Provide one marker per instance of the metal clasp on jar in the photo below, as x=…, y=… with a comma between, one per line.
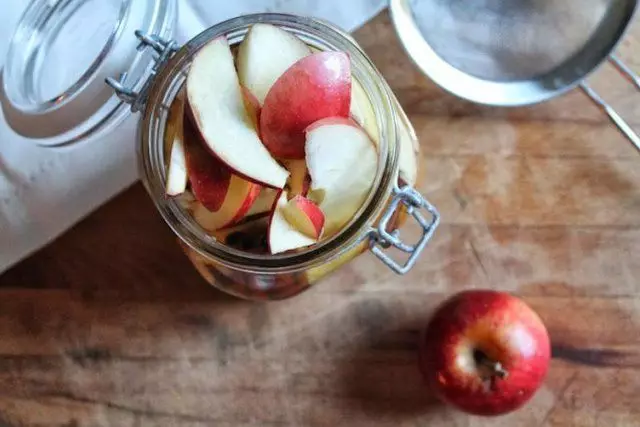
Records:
x=164, y=50
x=382, y=239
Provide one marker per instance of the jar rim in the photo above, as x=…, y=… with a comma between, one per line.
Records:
x=151, y=141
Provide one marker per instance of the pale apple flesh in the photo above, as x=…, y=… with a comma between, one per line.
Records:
x=299, y=180
x=282, y=235
x=174, y=121
x=218, y=109
x=264, y=55
x=305, y=216
x=485, y=352
x=362, y=111
x=316, y=87
x=342, y=162
x=177, y=171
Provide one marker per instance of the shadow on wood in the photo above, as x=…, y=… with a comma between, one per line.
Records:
x=124, y=250
x=382, y=377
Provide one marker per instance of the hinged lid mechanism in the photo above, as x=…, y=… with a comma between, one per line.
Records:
x=53, y=82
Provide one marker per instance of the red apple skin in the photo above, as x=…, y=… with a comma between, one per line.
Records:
x=313, y=215
x=313, y=88
x=254, y=192
x=208, y=176
x=505, y=329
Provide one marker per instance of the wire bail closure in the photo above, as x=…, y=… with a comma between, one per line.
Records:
x=164, y=50
x=415, y=204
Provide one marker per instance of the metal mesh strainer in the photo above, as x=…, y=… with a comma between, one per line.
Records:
x=514, y=52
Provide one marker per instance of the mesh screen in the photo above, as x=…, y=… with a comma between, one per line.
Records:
x=508, y=39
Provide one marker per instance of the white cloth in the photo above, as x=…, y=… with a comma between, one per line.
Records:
x=43, y=192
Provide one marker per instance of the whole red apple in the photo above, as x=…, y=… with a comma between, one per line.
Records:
x=485, y=352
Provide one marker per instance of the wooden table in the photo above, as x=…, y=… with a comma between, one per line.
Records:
x=110, y=325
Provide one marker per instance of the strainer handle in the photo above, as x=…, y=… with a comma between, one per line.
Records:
x=622, y=125
x=626, y=70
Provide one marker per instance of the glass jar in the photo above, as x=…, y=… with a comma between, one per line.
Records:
x=269, y=277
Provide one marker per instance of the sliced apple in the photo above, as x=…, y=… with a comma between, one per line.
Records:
x=223, y=198
x=362, y=111
x=342, y=162
x=174, y=121
x=252, y=106
x=177, y=173
x=316, y=87
x=316, y=195
x=209, y=177
x=305, y=216
x=264, y=55
x=264, y=202
x=282, y=235
x=239, y=197
x=177, y=170
x=299, y=180
x=216, y=104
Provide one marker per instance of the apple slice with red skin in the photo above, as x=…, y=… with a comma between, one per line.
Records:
x=315, y=87
x=264, y=202
x=223, y=197
x=342, y=162
x=282, y=235
x=485, y=352
x=305, y=216
x=264, y=55
x=218, y=110
x=239, y=197
x=177, y=171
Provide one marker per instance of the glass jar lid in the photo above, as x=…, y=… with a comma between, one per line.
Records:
x=53, y=82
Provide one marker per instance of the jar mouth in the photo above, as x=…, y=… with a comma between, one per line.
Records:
x=317, y=34
x=45, y=25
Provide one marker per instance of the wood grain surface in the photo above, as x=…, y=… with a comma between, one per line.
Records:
x=111, y=326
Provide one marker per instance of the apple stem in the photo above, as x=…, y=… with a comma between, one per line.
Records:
x=498, y=370
x=495, y=368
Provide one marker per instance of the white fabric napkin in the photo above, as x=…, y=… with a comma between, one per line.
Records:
x=43, y=192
